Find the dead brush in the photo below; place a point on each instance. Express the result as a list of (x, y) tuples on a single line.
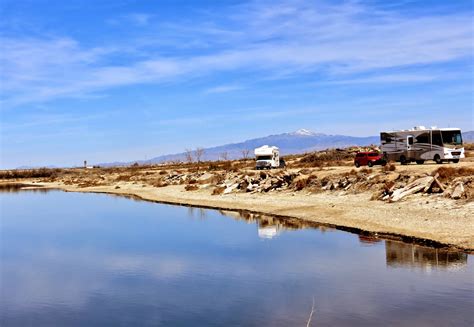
[(30, 173), (449, 173), (389, 167), (191, 187), (218, 190), (304, 182), (159, 183), (123, 178)]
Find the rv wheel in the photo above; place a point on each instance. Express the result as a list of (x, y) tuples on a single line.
[(438, 160), (420, 162), (403, 160), (456, 160), (370, 164), (357, 165)]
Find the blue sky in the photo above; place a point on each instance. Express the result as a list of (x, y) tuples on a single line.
[(127, 80)]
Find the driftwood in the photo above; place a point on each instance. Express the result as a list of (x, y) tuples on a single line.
[(440, 185), (421, 184)]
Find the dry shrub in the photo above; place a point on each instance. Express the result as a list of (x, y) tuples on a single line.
[(217, 179), (227, 165), (30, 173), (389, 167), (328, 157), (123, 178), (449, 173), (300, 183), (218, 190), (353, 172), (163, 172), (213, 166), (191, 187), (468, 146), (192, 181), (159, 183)]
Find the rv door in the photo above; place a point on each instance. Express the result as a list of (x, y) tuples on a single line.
[(409, 142)]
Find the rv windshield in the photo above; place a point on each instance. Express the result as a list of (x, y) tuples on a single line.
[(264, 158), (452, 137)]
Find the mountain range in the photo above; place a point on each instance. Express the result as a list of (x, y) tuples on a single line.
[(289, 143), (301, 141)]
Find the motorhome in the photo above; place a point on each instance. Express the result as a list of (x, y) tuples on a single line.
[(421, 143), (267, 157)]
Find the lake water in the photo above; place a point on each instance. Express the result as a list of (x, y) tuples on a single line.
[(70, 259)]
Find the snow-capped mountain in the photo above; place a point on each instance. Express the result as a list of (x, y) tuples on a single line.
[(300, 141)]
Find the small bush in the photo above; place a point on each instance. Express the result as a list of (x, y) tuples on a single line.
[(448, 173), (123, 178), (29, 173), (159, 183), (218, 190), (389, 167), (191, 187)]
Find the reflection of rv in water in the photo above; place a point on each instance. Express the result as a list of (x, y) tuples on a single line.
[(400, 254), (268, 232), (420, 144)]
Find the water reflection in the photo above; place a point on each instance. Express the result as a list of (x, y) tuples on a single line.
[(269, 227), (400, 254), (397, 253), (71, 259), (17, 187)]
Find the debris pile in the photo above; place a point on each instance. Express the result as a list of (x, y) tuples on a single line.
[(385, 185)]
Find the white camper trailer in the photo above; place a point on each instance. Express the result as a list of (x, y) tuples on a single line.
[(420, 144), (267, 157)]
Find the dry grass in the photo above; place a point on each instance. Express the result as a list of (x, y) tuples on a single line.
[(389, 167), (469, 146), (191, 187), (218, 190), (449, 173), (332, 157), (30, 173)]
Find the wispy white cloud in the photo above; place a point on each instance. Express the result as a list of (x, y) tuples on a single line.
[(279, 40), (223, 89)]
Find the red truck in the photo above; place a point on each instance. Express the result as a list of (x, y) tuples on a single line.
[(370, 159)]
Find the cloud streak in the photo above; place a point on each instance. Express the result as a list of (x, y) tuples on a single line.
[(283, 40)]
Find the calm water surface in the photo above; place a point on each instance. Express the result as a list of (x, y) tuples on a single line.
[(70, 259)]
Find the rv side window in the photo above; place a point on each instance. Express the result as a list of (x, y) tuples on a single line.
[(436, 138), (386, 138), (410, 140), (423, 138), (360, 155)]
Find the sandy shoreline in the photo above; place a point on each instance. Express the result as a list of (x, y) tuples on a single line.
[(436, 220)]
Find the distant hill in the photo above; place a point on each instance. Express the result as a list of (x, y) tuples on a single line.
[(468, 137), (300, 141), (297, 142), (289, 143)]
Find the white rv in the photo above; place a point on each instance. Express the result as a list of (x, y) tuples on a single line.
[(420, 144), (267, 157)]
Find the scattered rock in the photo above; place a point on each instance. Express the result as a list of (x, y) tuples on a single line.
[(458, 191)]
